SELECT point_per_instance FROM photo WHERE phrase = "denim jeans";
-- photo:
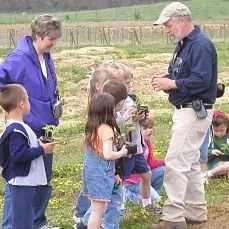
(204, 148)
(22, 206)
(41, 200)
(132, 193)
(157, 177)
(111, 218)
(82, 204)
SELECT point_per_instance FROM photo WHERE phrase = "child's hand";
(129, 113)
(124, 151)
(140, 116)
(117, 180)
(48, 147)
(217, 152)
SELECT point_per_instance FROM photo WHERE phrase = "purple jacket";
(22, 66)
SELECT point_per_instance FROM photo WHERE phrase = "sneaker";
(77, 219)
(170, 225)
(80, 225)
(153, 208)
(48, 227)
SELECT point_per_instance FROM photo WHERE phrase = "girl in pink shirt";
(132, 184)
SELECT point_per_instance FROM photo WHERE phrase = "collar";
(193, 34)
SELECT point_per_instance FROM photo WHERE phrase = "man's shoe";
(191, 221)
(170, 225)
(153, 208)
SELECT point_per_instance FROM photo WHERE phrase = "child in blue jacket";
(21, 156)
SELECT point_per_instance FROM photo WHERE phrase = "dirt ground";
(218, 218)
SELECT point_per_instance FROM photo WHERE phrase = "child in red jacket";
(132, 191)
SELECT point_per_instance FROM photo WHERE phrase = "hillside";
(41, 5)
(205, 10)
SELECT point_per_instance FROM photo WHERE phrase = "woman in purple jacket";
(30, 64)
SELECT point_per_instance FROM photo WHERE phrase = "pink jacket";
(151, 161)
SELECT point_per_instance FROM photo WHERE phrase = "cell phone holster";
(199, 108)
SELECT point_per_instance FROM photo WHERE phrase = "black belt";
(189, 105)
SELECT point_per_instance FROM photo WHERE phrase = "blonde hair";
(121, 71)
(46, 25)
(99, 76)
(108, 71)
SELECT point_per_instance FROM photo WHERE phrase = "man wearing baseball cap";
(191, 85)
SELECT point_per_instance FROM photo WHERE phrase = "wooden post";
(122, 35)
(12, 34)
(72, 38)
(133, 36)
(109, 36)
(140, 31)
(152, 33)
(89, 34)
(136, 38)
(105, 37)
(101, 36)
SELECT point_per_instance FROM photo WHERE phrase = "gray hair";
(46, 25)
(186, 17)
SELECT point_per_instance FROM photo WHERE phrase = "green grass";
(201, 10)
(70, 150)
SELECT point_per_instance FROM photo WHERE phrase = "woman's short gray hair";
(46, 25)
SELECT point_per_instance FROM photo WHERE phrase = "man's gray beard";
(178, 39)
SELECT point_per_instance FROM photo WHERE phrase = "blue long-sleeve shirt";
(16, 154)
(194, 69)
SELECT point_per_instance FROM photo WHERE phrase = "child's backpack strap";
(4, 146)
(133, 96)
(212, 138)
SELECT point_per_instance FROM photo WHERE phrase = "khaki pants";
(182, 182)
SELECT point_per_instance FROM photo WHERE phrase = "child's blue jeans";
(132, 191)
(111, 218)
(204, 148)
(22, 204)
(41, 201)
(157, 177)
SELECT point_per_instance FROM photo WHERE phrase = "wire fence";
(106, 36)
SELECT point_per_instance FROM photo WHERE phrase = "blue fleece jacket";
(22, 66)
(194, 68)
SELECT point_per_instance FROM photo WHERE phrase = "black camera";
(57, 108)
(143, 109)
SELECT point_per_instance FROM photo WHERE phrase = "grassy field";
(202, 10)
(144, 61)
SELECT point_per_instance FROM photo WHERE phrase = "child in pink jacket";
(132, 184)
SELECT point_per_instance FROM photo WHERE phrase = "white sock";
(146, 202)
(209, 173)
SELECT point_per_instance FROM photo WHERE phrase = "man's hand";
(163, 84)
